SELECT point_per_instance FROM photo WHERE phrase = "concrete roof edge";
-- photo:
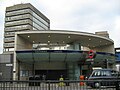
(66, 32)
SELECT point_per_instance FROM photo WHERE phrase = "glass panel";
(40, 19)
(73, 57)
(39, 23)
(57, 56)
(37, 26)
(24, 73)
(41, 57)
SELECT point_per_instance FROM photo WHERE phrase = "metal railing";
(60, 85)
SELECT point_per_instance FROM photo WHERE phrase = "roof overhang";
(66, 37)
(49, 55)
(30, 56)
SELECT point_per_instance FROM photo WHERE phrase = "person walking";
(61, 79)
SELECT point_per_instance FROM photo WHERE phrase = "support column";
(15, 69)
(73, 71)
(77, 71)
(33, 69)
(75, 46)
(18, 70)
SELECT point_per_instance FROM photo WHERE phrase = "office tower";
(22, 17)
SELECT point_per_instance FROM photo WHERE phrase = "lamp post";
(106, 63)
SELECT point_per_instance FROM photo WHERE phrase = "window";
(24, 73)
(114, 73)
(40, 19)
(39, 23)
(17, 17)
(101, 73)
(107, 73)
(37, 26)
(17, 28)
(96, 73)
(11, 49)
(17, 22)
(18, 12)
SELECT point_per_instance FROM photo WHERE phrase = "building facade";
(59, 52)
(37, 50)
(22, 17)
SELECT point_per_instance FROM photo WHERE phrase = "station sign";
(91, 54)
(9, 65)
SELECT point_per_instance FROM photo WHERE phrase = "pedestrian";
(43, 77)
(61, 79)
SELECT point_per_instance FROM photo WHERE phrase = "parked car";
(105, 75)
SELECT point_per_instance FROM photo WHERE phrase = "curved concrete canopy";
(59, 36)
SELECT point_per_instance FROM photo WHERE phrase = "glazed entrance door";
(51, 74)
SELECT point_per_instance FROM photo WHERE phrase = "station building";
(117, 52)
(29, 51)
(59, 52)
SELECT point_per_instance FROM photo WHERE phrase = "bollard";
(81, 78)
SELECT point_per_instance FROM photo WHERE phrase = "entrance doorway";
(51, 74)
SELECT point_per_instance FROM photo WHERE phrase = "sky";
(75, 15)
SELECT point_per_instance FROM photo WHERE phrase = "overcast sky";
(76, 15)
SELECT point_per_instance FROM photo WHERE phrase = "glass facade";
(40, 24)
(57, 46)
(40, 19)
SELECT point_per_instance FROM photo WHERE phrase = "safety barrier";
(54, 85)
